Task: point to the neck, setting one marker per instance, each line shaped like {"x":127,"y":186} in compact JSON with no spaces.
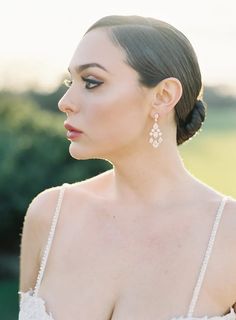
{"x":150,"y":178}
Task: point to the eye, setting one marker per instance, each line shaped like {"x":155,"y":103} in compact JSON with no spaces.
{"x":91,"y":83}
{"x":67,"y":82}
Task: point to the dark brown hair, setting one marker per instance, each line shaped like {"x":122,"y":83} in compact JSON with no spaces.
{"x":157,"y":50}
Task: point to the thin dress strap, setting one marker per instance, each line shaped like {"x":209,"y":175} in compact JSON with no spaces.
{"x":206,"y":257}
{"x":49,"y":241}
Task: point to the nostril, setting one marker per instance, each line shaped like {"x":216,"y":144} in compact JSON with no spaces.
{"x":65,"y":108}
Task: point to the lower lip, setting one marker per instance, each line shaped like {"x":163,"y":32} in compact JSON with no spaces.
{"x":73,"y":134}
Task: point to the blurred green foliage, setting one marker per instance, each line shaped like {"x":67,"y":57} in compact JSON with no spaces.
{"x":34,"y":156}
{"x":9,"y":299}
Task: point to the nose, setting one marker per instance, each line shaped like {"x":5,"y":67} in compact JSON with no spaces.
{"x":65,"y":104}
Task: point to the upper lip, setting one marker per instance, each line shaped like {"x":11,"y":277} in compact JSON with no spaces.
{"x":71,"y":128}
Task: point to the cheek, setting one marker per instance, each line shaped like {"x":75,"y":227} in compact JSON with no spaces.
{"x":116,"y":114}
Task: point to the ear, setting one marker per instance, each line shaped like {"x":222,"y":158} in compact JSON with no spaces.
{"x":166,"y":95}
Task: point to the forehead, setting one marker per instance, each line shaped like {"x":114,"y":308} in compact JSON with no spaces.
{"x":97,"y":47}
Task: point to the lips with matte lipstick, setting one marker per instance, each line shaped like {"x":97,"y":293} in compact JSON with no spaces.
{"x":72,"y":132}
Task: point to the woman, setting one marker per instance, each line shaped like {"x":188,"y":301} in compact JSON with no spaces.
{"x":135,"y":242}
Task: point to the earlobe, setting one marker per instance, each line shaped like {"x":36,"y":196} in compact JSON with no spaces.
{"x":167,"y":94}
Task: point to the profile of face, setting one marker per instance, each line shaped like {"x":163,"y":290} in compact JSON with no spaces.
{"x":105,"y":101}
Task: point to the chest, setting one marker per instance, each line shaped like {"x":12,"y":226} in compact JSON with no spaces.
{"x":108,"y":269}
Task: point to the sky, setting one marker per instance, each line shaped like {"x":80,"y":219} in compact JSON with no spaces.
{"x":38,"y":38}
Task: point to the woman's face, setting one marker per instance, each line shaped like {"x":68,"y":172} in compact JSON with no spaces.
{"x":105,"y":101}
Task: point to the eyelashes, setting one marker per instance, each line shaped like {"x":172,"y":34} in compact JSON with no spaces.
{"x":89,"y":83}
{"x":67,"y":82}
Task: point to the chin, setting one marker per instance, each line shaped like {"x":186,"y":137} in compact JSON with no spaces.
{"x":105,"y":151}
{"x":81,"y":152}
{"x":78,"y":152}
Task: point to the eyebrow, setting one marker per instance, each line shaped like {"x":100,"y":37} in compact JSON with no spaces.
{"x":82,"y":67}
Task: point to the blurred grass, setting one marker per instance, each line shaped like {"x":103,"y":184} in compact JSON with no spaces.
{"x":211,"y":155}
{"x":9,"y":299}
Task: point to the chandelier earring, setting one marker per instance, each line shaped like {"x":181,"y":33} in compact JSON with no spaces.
{"x":155,"y":133}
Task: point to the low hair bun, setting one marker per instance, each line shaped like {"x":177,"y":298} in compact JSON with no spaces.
{"x":193,"y":122}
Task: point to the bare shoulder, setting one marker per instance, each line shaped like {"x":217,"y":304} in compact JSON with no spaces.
{"x":40,"y":210}
{"x":45,"y":198}
{"x":227,"y":240}
{"x":34,"y":234}
{"x":227,"y":247}
{"x":229,"y":220}
{"x":222,"y":264}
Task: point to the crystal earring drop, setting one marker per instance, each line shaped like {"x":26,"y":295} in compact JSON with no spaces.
{"x":155,"y":133}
